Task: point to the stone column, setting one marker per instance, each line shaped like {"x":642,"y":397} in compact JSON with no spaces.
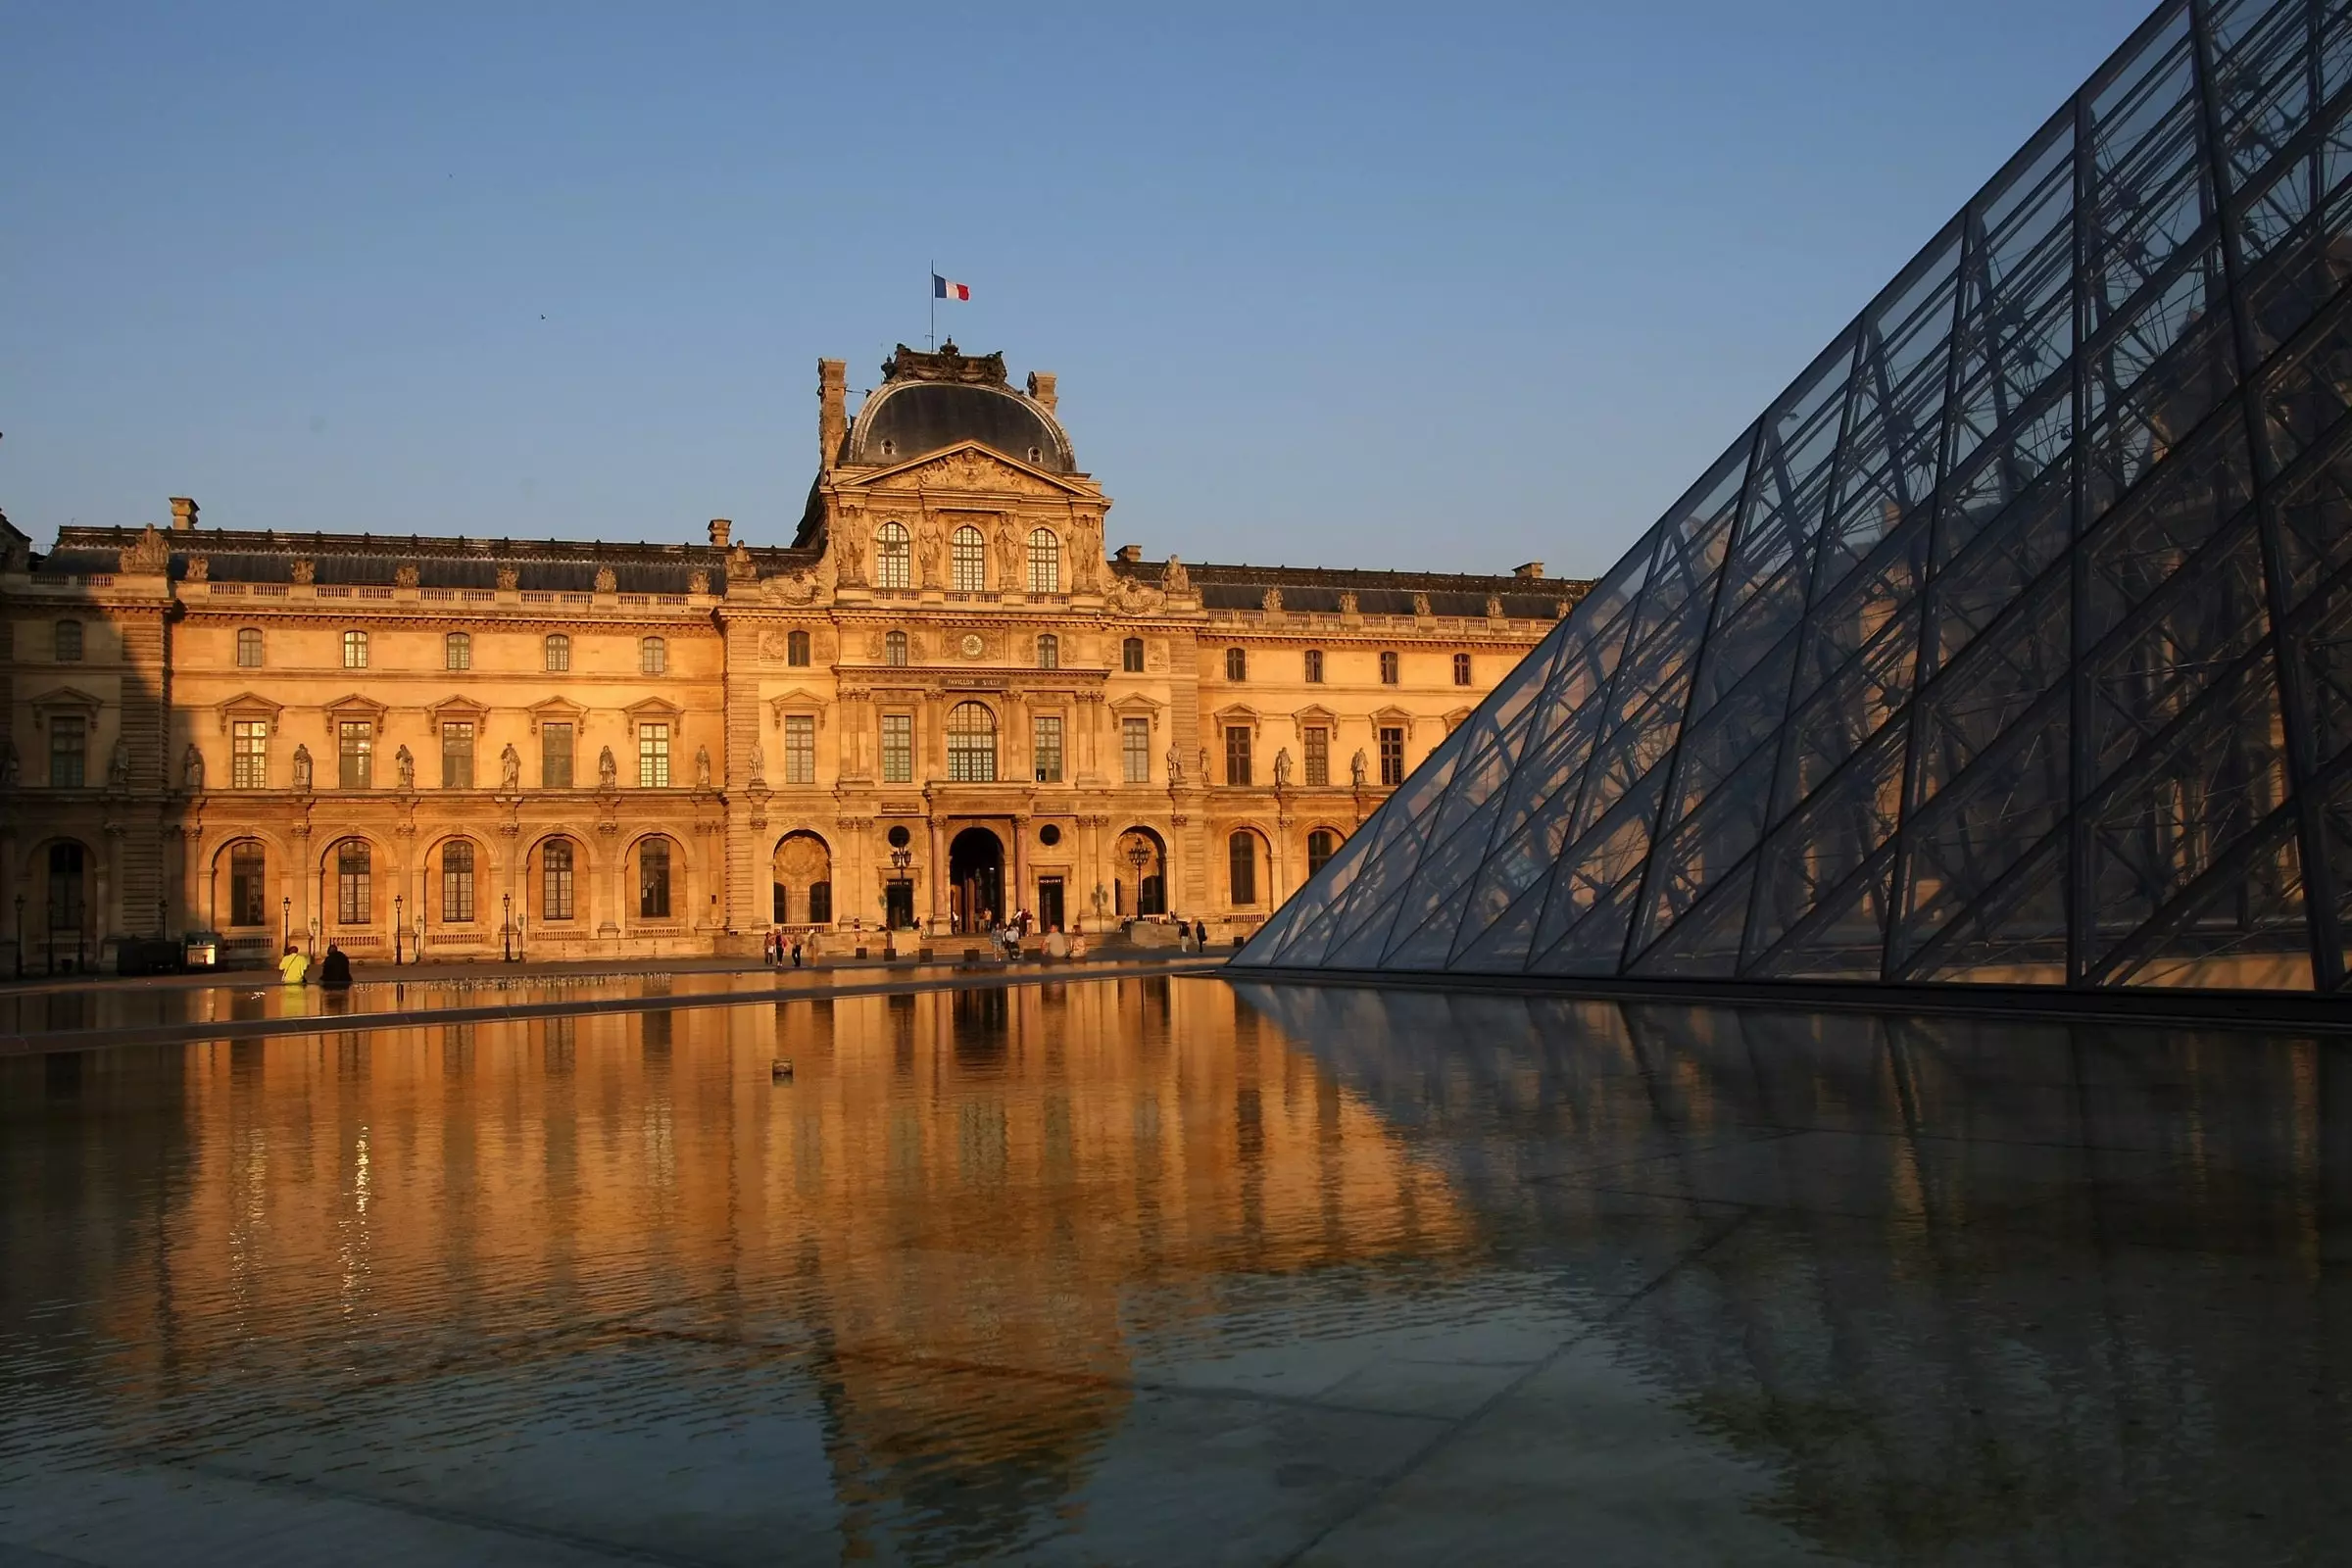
{"x":1018,"y":894}
{"x":939,"y":873}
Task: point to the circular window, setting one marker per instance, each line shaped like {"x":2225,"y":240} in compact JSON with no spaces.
{"x":973,"y":646}
{"x":899,"y":838}
{"x":1048,"y":835}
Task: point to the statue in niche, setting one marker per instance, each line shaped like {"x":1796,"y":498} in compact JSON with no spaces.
{"x":1175,"y":767}
{"x":758,"y":764}
{"x":510,"y":770}
{"x":608,"y":771}
{"x":1355,"y":767}
{"x":849,"y":567}
{"x":1086,"y":551}
{"x":117,"y":767}
{"x":701,"y":767}
{"x":11,"y":767}
{"x":1282,"y":768}
{"x":302,"y":768}
{"x":1009,"y":577}
{"x":404,"y":761}
{"x":927,"y":545}
{"x":1204,"y":764}
{"x":191,"y":770}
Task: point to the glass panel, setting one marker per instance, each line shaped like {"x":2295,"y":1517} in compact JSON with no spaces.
{"x":1963,"y":844}
{"x":1815,"y":853}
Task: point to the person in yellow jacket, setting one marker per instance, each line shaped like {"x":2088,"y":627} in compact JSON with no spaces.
{"x":293,"y":966}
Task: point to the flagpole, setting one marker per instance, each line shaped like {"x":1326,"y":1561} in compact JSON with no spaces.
{"x":931,"y":339}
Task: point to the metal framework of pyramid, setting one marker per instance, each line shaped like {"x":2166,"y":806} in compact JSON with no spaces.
{"x":2012,"y":645}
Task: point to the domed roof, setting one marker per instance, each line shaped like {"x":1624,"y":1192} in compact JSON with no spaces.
{"x":930,"y":402}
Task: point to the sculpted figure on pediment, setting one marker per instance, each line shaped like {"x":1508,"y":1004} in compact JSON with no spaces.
{"x":1176,"y":580}
{"x":306,"y":571}
{"x":1132,"y":597}
{"x":1009,"y":575}
{"x":793,"y":588}
{"x":507,"y":578}
{"x":152,"y":554}
{"x":740,"y":566}
{"x":1085,"y":551}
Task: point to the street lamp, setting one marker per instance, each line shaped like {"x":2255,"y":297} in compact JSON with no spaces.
{"x":396,"y":928}
{"x":505,"y":927}
{"x":20,"y":935}
{"x":285,"y":921}
{"x":1138,"y":856}
{"x":900,"y":860}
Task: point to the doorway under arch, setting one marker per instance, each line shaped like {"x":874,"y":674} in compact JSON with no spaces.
{"x":1141,"y":868}
{"x":975,"y":879}
{"x":800,"y":880}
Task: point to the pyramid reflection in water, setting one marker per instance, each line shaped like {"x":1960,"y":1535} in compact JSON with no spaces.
{"x":2011,"y":643}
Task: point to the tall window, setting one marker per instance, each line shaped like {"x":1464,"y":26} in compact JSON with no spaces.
{"x":1318,"y":756}
{"x":898,"y":748}
{"x":69,"y":642}
{"x":1237,"y":754}
{"x":248,"y":884}
{"x":972,"y":743}
{"x":1045,"y":562}
{"x":555,"y":756}
{"x":457,"y":882}
{"x":894,"y":649}
{"x":354,"y":754}
{"x":1387,"y":667}
{"x":1461,"y":669}
{"x":1237,"y":663}
{"x":1049,"y":651}
{"x":1044,"y":748}
{"x":796,"y":650}
{"x":69,"y":750}
{"x":1131,"y":655}
{"x":554,"y":880}
{"x":1392,"y":756}
{"x":893,"y":559}
{"x":456,"y":754}
{"x":653,"y":655}
{"x":559,"y":652}
{"x":799,"y":747}
{"x":249,"y":648}
{"x":355,"y":874}
{"x":1135,"y":750}
{"x":456,"y":651}
{"x":355,"y":650}
{"x":1314,"y":666}
{"x":652,"y":757}
{"x":249,"y":753}
{"x":1240,"y":865}
{"x":970,"y":559}
{"x":653,"y":880}
{"x":68,"y":876}
{"x":1321,"y":845}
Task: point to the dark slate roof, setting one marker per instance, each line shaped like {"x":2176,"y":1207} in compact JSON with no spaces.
{"x":916,"y":418}
{"x":1377,"y":593}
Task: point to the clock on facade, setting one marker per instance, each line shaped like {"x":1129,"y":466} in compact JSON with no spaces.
{"x":973,"y":646}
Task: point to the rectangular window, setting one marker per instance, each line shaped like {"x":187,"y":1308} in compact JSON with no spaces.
{"x":1461,"y":669}
{"x":1387,"y":668}
{"x":1318,"y":756}
{"x":1391,"y":756}
{"x":898,"y":748}
{"x":1045,"y":748}
{"x":1314,"y":666}
{"x":1237,"y":754}
{"x":800,"y":748}
{"x":69,"y":747}
{"x":457,"y":883}
{"x":249,"y":648}
{"x":355,"y":879}
{"x":456,"y":754}
{"x":652,"y":757}
{"x":354,"y":754}
{"x":1135,"y":750}
{"x":247,"y":891}
{"x":355,"y":650}
{"x":249,"y":753}
{"x":555,"y":756}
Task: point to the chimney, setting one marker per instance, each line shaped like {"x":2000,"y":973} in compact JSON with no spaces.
{"x":720,"y":529}
{"x":1130,"y":553}
{"x":1041,"y":389}
{"x":183,"y":514}
{"x":1529,"y":571}
{"x":832,"y":409}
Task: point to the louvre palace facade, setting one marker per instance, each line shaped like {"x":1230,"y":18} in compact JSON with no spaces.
{"x":942,"y":702}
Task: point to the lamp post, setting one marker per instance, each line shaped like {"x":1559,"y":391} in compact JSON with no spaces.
{"x":285,"y":921}
{"x":505,"y":927}
{"x":1138,"y":855}
{"x":900,"y":860}
{"x":20,"y":935}
{"x":396,"y":923}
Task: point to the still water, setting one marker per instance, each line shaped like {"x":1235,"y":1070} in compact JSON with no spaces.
{"x":1176,"y":1271}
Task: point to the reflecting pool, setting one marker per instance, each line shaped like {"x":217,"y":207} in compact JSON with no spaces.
{"x":1171,"y":1270}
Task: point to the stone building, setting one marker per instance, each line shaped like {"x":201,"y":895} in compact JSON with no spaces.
{"x":941,"y":703}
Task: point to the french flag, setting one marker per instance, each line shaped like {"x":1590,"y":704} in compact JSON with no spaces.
{"x":941,"y":289}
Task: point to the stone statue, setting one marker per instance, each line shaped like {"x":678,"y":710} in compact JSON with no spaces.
{"x":1175,"y":767}
{"x":1009,"y":577}
{"x":1421,"y":604}
{"x":1176,"y":580}
{"x":849,"y":567}
{"x":758,"y":764}
{"x":150,"y":554}
{"x":701,"y":767}
{"x":1086,"y":553}
{"x":507,"y":578}
{"x":608,"y":771}
{"x":1348,"y":602}
{"x":306,"y":571}
{"x":302,"y":768}
{"x":1272,"y":603}
{"x":698,"y":582}
{"x":1355,"y":767}
{"x":406,"y":762}
{"x":200,"y":568}
{"x":404,"y":575}
{"x":605,"y":581}
{"x":1493,"y":607}
{"x":1282,"y":768}
{"x":1204,"y":764}
{"x":117,"y":767}
{"x":11,"y":767}
{"x":191,"y":770}
{"x":510,"y":770}
{"x":741,"y":568}
{"x":927,"y":545}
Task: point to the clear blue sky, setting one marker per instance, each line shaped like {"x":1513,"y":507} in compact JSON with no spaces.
{"x":1441,"y":286}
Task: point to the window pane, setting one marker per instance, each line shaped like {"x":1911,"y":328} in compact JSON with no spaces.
{"x":249,"y":761}
{"x":1321,"y":845}
{"x":248,"y":890}
{"x":555,"y":881}
{"x":456,"y":651}
{"x":894,"y":649}
{"x":1388,"y":668}
{"x":249,"y":648}
{"x":68,"y":747}
{"x":1237,"y":754}
{"x":1045,"y":562}
{"x":355,"y":650}
{"x":972,"y":743}
{"x":457,"y":755}
{"x":69,"y":642}
{"x":354,"y":876}
{"x":555,"y":756}
{"x":970,"y":560}
{"x":800,"y":748}
{"x":1049,"y":651}
{"x":1314,"y":666}
{"x":1131,"y":655}
{"x":796,"y":650}
{"x":1046,"y":750}
{"x":559,"y":653}
{"x":456,"y":883}
{"x":898,"y":748}
{"x":1237,"y":663}
{"x":1242,"y":866}
{"x":1391,"y":756}
{"x":653,"y":655}
{"x":1461,"y":669}
{"x":354,"y":754}
{"x":1318,"y":756}
{"x":892,"y":567}
{"x":653,"y":879}
{"x":652,"y":757}
{"x":1135,"y":750}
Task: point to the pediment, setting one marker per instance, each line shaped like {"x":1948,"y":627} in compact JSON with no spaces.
{"x":1236,"y":714}
{"x":1394,"y":717}
{"x":1314,"y":714}
{"x":249,"y":706}
{"x":799,"y":700}
{"x":553,"y":711}
{"x":353,"y":705}
{"x":65,"y":697}
{"x":457,"y":708}
{"x":969,"y":466}
{"x":1135,"y":705}
{"x":654,"y":710}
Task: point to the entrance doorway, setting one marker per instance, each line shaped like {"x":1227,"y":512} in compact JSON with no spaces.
{"x":1049,"y":903}
{"x":1143,"y":867}
{"x":975,"y":879}
{"x":898,"y":905}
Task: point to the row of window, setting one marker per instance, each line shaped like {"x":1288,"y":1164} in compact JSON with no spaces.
{"x":967,"y":559}
{"x":355,"y":881}
{"x":1316,"y":739}
{"x":355,"y":755}
{"x":456,"y":651}
{"x":1236,"y":665}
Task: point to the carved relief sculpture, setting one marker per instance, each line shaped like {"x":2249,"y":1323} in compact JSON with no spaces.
{"x":507,"y":578}
{"x":1272,"y":603}
{"x":152,"y":554}
{"x":1493,"y":607}
{"x":404,"y":575}
{"x":740,"y":566}
{"x":1176,"y":580}
{"x":200,"y":568}
{"x":1420,"y":604}
{"x":1348,"y":602}
{"x":698,"y":582}
{"x":306,"y":571}
{"x":605,"y":581}
{"x":302,"y":767}
{"x":509,"y":770}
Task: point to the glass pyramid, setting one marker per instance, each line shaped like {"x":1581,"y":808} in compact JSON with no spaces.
{"x":2013,"y":644}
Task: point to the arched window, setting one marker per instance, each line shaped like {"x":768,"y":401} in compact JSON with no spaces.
{"x":1049,"y":651}
{"x":248,"y":883}
{"x":1321,"y":845}
{"x":355,"y":650}
{"x":559,"y":652}
{"x":69,"y":642}
{"x":653,"y":657}
{"x":554,"y":880}
{"x":970,"y":553}
{"x":894,"y":565}
{"x":795,"y":649}
{"x":653,"y":880}
{"x":972,"y":743}
{"x":355,"y":872}
{"x":457,"y":882}
{"x":1045,"y":562}
{"x":1240,"y":856}
{"x":1131,"y":655}
{"x":456,"y":651}
{"x":894,"y":649}
{"x":249,"y":648}
{"x":1237,"y":663}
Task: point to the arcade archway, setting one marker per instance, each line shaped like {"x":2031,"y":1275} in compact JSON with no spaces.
{"x":1141,"y":866}
{"x":975,"y":880}
{"x":800,"y":880}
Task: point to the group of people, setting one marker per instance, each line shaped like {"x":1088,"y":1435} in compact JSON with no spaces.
{"x":781,"y":946}
{"x":334,"y":970}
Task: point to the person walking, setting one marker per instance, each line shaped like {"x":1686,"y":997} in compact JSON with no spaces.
{"x":293,"y":966}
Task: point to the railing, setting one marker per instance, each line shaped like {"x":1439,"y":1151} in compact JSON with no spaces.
{"x":577,"y":599}
{"x":436,"y":593}
{"x":669,"y":599}
{"x":375,"y":593}
{"x":226,"y":587}
{"x":271,"y":590}
{"x":636,"y":599}
{"x":477,"y":596}
{"x":333,"y":593}
{"x":536,"y":598}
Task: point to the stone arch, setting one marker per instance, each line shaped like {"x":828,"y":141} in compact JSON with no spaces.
{"x":658,"y":880}
{"x":1248,"y":866}
{"x":353,"y":899}
{"x":446,"y":890}
{"x":62,"y":921}
{"x":1139,"y":871}
{"x":800,"y":879}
